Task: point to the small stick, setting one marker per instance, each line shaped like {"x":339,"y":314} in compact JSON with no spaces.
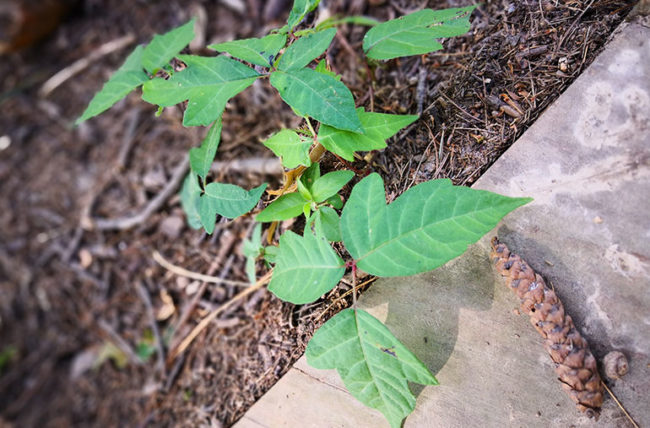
{"x":620,"y":406}
{"x":128,"y":222}
{"x":146,"y":299}
{"x":344,"y":295}
{"x":212,"y":315}
{"x":59,"y":78}
{"x":194,"y":275}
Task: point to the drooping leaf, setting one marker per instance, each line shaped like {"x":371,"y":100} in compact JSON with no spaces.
{"x":291,"y":147}
{"x":306,"y":49}
{"x":252,"y":249}
{"x":378,"y":127}
{"x":425,"y":227}
{"x":319,"y":96}
{"x":306,"y":268}
{"x":285,"y":207}
{"x":256,"y":51}
{"x":128,"y":77}
{"x":166,"y":46}
{"x":329,"y":184}
{"x":226,"y":200}
{"x":201,"y":158}
{"x":415,"y":34}
{"x":298,"y":11}
{"x":208,"y":84}
{"x":190,"y":200}
{"x":329,"y":223}
{"x":372,"y":363}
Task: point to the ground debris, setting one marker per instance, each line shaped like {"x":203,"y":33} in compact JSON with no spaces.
{"x":574,"y":363}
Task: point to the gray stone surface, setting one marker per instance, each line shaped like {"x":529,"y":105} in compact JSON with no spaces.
{"x":586,"y":162}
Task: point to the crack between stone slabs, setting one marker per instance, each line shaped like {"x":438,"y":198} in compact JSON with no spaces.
{"x":321,"y":381}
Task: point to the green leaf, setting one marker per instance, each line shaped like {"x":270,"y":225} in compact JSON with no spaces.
{"x":201,"y":158}
{"x":304,"y":191}
{"x":311,"y":174}
{"x":357,"y":20}
{"x":329,"y":222}
{"x":270,"y":253}
{"x":208,"y":84}
{"x":415,"y":34}
{"x":329,"y":184}
{"x":319,"y":96}
{"x":336,"y":201}
{"x":226,"y":200}
{"x":165,"y":47}
{"x":190,"y":200}
{"x":298,"y":11}
{"x":372,"y":363}
{"x":252,"y":249}
{"x":306,"y":268}
{"x":285,"y":207}
{"x":256,"y":51}
{"x":293,"y":148}
{"x":424,"y":228}
{"x":321,"y":67}
{"x":306,"y":49}
{"x":378,"y":128}
{"x":128,"y":77}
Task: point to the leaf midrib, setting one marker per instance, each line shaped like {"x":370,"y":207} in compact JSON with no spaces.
{"x":419,"y":229}
{"x":325,"y":99}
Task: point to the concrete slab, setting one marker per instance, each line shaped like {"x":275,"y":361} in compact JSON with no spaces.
{"x":586,"y":162}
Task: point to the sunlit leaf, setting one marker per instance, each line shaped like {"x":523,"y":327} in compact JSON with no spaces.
{"x":201,"y":158}
{"x":306,"y":49}
{"x":190,"y":200}
{"x":378,"y":127}
{"x":291,"y":147}
{"x":228,"y":201}
{"x":319,"y":96}
{"x":256,"y":51}
{"x":128,"y":77}
{"x":166,"y":46}
{"x":306,"y":268}
{"x":285,"y":207}
{"x":207,"y":82}
{"x":425,"y":227}
{"x":329,"y":184}
{"x":416,"y":33}
{"x":372,"y":363}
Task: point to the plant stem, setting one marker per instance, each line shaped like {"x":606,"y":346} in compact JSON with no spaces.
{"x":315,"y":155}
{"x":354,"y":285}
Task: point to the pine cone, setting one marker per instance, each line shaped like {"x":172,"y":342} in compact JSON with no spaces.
{"x":574,"y":363}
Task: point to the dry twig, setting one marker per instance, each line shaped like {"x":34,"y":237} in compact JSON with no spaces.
{"x":59,"y":78}
{"x":194,"y":275}
{"x":212,"y":315}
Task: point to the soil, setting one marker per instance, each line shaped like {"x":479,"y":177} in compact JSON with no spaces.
{"x":87,"y":314}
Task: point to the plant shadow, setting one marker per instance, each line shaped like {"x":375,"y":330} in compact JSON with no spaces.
{"x":422,"y":310}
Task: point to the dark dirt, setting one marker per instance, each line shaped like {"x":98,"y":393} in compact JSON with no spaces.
{"x":69,"y":293}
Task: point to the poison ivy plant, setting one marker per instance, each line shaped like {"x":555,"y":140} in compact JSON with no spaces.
{"x":422,"y":229}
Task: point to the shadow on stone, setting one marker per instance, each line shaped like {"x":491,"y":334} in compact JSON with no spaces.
{"x":422,"y":310}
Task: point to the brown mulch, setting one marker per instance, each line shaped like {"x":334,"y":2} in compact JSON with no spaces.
{"x":69,"y":294}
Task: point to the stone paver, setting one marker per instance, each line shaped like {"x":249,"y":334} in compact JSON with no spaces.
{"x":586,"y":162}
